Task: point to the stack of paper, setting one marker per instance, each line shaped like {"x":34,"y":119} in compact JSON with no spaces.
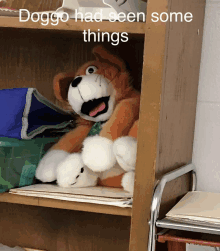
{"x":6,"y":248}
{"x":9,"y":12}
{"x":197,"y":207}
{"x":97,"y":195}
{"x":15,"y":13}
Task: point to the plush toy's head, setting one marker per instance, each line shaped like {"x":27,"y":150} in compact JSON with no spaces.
{"x":95,"y":88}
{"x":92,"y":95}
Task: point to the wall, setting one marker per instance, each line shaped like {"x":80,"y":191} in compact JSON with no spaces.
{"x":206,"y":153}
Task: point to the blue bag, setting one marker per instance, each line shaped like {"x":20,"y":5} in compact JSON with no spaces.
{"x":25,"y":113}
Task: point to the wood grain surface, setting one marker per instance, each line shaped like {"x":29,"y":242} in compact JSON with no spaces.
{"x":32,"y":59}
{"x":168,"y":107}
{"x":55,"y":230}
{"x":32,"y":5}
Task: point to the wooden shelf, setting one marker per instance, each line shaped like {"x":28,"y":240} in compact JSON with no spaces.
{"x":52,"y":203}
{"x":164,"y":59}
{"x":71,"y":25}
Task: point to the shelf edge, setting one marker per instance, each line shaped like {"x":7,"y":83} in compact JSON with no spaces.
{"x":61,"y":204}
{"x":71,"y":25}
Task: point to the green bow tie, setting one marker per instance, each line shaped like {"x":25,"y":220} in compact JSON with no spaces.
{"x":96,"y":129}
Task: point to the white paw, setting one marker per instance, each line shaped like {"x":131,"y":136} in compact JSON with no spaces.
{"x":98,"y":153}
{"x":128,"y":182}
{"x":46,"y":170}
{"x":125,"y":150}
{"x":73,"y":173}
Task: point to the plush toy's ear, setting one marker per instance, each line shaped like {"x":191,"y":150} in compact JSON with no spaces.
{"x":105,"y":56}
{"x":61,"y":83}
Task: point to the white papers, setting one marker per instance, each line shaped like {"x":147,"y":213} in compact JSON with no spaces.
{"x":15,"y":13}
{"x":6,"y":248}
{"x":9,"y":12}
{"x":197,"y":207}
{"x":95,"y":195}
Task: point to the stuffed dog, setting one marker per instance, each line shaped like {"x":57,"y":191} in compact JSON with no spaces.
{"x":107,"y":105}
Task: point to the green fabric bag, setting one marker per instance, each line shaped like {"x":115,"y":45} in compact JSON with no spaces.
{"x":19,"y":160}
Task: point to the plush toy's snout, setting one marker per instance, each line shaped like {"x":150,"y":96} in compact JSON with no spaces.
{"x":76,"y":81}
{"x":92,"y":96}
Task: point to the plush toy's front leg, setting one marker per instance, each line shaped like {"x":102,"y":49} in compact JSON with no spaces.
{"x":72,"y":172}
{"x":47,"y":168}
{"x":98,"y":153}
{"x":125,"y":150}
{"x":128,"y":182}
{"x":70,"y":142}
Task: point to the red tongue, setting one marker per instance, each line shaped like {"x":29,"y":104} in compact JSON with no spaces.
{"x":99,"y":108}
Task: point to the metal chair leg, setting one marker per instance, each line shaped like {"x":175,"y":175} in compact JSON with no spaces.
{"x":157,"y":196}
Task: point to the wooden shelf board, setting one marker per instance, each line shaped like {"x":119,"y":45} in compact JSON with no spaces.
{"x":71,"y":25}
{"x":61,"y":204}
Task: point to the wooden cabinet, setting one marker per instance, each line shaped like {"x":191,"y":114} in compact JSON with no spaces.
{"x":164,"y":58}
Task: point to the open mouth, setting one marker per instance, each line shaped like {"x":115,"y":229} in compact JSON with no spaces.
{"x":95,"y":107}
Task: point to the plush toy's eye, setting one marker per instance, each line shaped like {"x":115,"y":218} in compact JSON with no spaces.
{"x":91,"y":69}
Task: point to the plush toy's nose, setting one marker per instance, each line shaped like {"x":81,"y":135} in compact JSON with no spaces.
{"x":76,"y":81}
